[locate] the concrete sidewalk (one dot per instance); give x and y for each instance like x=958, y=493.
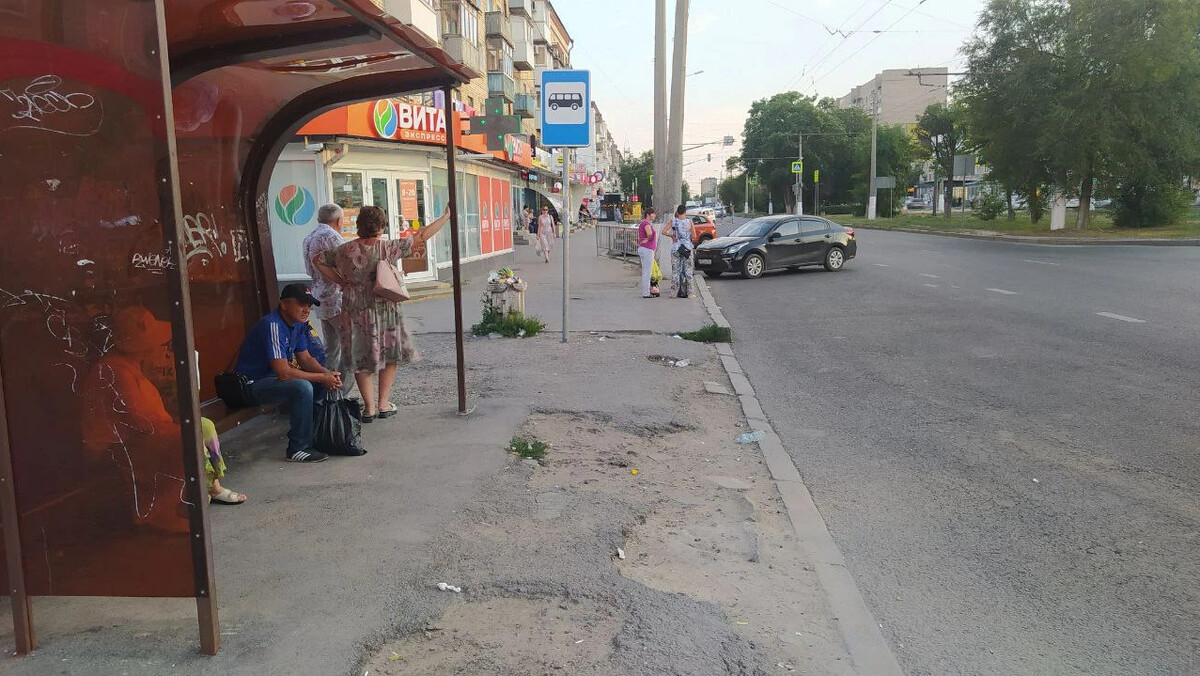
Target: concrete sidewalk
x=605, y=295
x=327, y=564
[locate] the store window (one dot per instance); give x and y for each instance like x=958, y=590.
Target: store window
x=348, y=194
x=469, y=231
x=441, y=200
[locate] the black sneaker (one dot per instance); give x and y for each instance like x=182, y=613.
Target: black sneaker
x=307, y=456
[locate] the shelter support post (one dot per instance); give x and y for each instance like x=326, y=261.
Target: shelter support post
x=186, y=370
x=455, y=257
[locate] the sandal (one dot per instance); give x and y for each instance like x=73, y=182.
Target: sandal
x=227, y=497
x=387, y=412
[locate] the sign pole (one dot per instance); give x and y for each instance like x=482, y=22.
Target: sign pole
x=566, y=235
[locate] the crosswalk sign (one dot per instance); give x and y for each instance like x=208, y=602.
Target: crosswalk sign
x=798, y=167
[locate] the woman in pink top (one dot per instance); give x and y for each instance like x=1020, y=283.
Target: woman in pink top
x=647, y=245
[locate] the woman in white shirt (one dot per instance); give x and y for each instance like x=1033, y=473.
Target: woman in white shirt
x=683, y=268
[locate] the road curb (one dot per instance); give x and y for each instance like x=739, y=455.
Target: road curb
x=1053, y=241
x=869, y=651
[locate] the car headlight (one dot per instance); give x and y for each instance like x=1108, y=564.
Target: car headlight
x=736, y=248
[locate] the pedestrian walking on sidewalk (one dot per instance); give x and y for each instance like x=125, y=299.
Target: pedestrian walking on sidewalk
x=683, y=269
x=545, y=232
x=647, y=246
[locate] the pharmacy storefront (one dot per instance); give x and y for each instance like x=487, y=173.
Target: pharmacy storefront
x=391, y=154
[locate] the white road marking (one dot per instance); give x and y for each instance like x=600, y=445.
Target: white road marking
x=955, y=287
x=930, y=251
x=1006, y=292
x=1028, y=260
x=926, y=274
x=1122, y=318
x=932, y=286
x=881, y=265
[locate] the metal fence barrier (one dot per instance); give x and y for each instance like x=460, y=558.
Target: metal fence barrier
x=613, y=239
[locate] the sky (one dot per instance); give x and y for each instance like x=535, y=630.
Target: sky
x=749, y=50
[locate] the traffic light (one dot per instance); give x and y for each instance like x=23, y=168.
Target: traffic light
x=495, y=124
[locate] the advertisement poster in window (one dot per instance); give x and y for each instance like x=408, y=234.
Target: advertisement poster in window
x=485, y=213
x=497, y=215
x=506, y=191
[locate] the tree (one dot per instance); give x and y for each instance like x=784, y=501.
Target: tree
x=732, y=191
x=896, y=152
x=685, y=193
x=635, y=173
x=1087, y=93
x=770, y=142
x=1005, y=93
x=941, y=130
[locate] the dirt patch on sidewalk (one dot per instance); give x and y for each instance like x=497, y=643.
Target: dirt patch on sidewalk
x=713, y=580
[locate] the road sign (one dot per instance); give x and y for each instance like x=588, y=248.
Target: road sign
x=651, y=179
x=798, y=167
x=566, y=109
x=882, y=182
x=753, y=180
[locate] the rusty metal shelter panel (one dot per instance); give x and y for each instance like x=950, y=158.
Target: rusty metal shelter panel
x=89, y=378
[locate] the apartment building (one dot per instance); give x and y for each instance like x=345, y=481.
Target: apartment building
x=389, y=153
x=901, y=94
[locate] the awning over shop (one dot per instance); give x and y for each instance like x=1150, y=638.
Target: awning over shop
x=140, y=134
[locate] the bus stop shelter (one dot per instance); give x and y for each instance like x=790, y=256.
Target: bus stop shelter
x=136, y=143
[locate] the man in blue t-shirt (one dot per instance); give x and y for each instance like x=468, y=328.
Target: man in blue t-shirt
x=275, y=356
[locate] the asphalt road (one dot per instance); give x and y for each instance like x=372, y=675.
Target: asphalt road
x=1011, y=475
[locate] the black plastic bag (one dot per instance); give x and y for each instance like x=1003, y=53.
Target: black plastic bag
x=337, y=429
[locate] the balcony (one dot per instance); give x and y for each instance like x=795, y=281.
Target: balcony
x=416, y=13
x=521, y=8
x=522, y=44
x=501, y=85
x=525, y=105
x=541, y=32
x=496, y=25
x=461, y=49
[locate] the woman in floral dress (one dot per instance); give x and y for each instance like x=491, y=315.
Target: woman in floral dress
x=374, y=338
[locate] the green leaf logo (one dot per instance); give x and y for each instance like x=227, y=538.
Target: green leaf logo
x=385, y=118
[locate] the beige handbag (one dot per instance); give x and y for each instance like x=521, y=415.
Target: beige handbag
x=389, y=280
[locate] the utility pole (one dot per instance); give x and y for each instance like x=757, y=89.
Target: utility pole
x=800, y=177
x=871, y=204
x=678, y=89
x=660, y=104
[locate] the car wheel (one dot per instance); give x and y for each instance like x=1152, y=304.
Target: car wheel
x=753, y=266
x=712, y=274
x=834, y=258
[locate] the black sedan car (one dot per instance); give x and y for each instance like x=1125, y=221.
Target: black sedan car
x=773, y=242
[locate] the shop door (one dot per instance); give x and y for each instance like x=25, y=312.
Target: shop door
x=414, y=215
x=402, y=199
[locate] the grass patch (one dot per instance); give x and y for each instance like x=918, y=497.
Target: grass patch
x=526, y=448
x=709, y=333
x=1101, y=225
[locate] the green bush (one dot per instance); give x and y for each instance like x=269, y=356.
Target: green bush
x=1150, y=204
x=509, y=325
x=989, y=205
x=528, y=449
